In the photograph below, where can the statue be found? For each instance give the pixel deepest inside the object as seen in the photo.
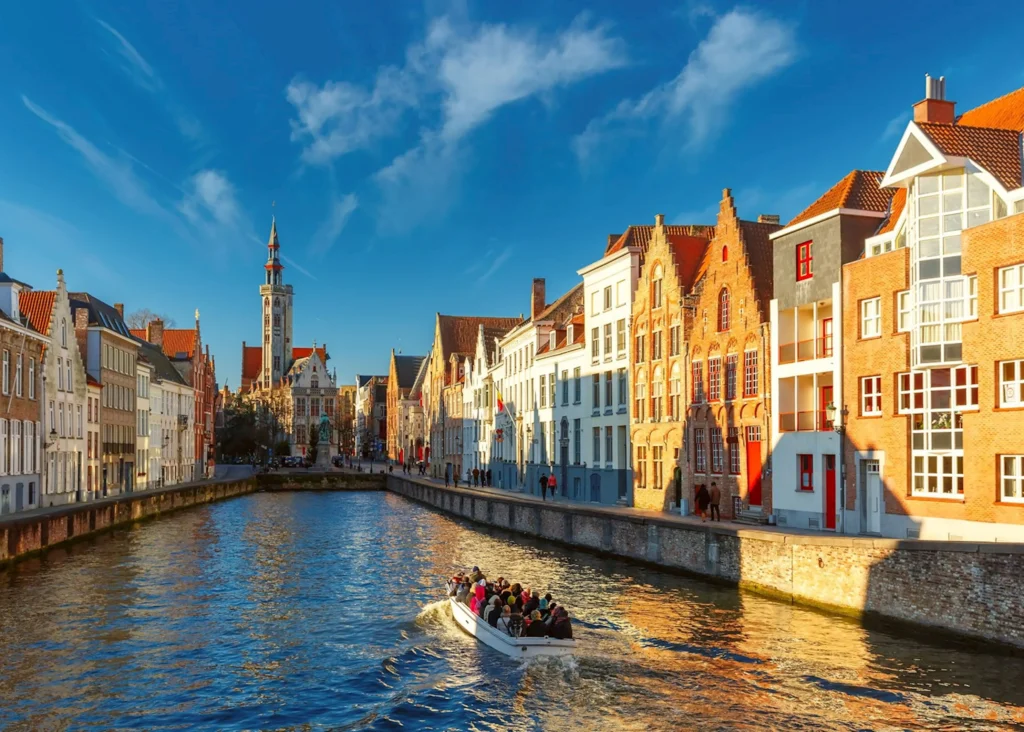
(325, 428)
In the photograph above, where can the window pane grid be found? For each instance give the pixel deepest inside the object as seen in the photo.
(1012, 478)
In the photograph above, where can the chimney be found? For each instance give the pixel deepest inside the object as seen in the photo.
(119, 307)
(1, 254)
(659, 219)
(768, 219)
(934, 107)
(81, 318)
(155, 332)
(537, 302)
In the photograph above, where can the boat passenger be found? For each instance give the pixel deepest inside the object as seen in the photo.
(536, 628)
(472, 605)
(476, 575)
(532, 603)
(504, 621)
(562, 627)
(545, 603)
(463, 593)
(494, 613)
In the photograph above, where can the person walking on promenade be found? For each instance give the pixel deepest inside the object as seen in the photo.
(543, 485)
(488, 476)
(447, 478)
(455, 476)
(716, 498)
(552, 484)
(702, 500)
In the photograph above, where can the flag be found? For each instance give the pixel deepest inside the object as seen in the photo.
(501, 404)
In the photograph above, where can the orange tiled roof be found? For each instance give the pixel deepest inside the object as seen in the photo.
(640, 236)
(252, 362)
(37, 306)
(996, 150)
(857, 190)
(176, 340)
(759, 258)
(459, 332)
(899, 201)
(1004, 113)
(688, 253)
(303, 352)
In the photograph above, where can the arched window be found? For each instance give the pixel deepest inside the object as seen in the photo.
(656, 287)
(725, 252)
(723, 309)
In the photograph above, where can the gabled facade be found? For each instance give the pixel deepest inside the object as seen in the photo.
(661, 313)
(402, 373)
(727, 437)
(313, 394)
(933, 329)
(807, 347)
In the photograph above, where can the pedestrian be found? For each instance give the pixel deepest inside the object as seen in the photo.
(702, 499)
(716, 498)
(476, 476)
(455, 475)
(446, 479)
(543, 485)
(488, 476)
(552, 484)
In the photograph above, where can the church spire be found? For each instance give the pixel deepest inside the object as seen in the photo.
(273, 265)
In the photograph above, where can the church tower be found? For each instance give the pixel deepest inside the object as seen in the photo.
(277, 315)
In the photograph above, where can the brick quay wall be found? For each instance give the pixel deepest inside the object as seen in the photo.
(957, 589)
(27, 534)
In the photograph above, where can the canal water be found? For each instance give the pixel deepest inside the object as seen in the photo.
(321, 611)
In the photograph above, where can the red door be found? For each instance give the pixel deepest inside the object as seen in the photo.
(754, 466)
(825, 347)
(830, 492)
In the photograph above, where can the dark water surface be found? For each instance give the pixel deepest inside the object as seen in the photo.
(320, 611)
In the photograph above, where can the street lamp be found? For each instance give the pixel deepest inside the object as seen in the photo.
(840, 429)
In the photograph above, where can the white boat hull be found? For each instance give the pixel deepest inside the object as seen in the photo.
(499, 641)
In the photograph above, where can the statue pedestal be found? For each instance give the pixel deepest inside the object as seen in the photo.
(323, 457)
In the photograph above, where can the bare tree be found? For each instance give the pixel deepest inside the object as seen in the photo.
(142, 317)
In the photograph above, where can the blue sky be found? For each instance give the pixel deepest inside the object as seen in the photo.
(433, 156)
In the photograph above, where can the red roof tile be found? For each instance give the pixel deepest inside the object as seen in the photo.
(996, 150)
(759, 259)
(1004, 113)
(252, 362)
(688, 254)
(176, 341)
(858, 190)
(92, 381)
(640, 236)
(459, 332)
(37, 306)
(302, 352)
(899, 201)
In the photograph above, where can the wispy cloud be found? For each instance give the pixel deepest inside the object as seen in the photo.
(118, 174)
(329, 231)
(742, 48)
(896, 125)
(145, 76)
(463, 73)
(210, 200)
(295, 265)
(755, 200)
(496, 264)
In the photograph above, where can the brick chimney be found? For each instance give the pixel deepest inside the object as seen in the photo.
(768, 219)
(537, 301)
(81, 318)
(934, 107)
(119, 307)
(155, 332)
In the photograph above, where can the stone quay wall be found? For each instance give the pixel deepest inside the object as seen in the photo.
(25, 534)
(334, 481)
(953, 588)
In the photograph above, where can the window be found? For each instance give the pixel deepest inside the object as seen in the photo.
(657, 395)
(749, 373)
(577, 435)
(972, 297)
(656, 288)
(656, 345)
(657, 477)
(18, 375)
(714, 379)
(1011, 384)
(640, 469)
(623, 388)
(543, 392)
(608, 297)
(723, 309)
(871, 318)
(67, 380)
(595, 344)
(608, 338)
(697, 378)
(620, 336)
(731, 365)
(904, 310)
(640, 350)
(1011, 289)
(871, 395)
(945, 389)
(565, 387)
(597, 445)
(608, 390)
(608, 454)
(734, 450)
(673, 341)
(576, 385)
(805, 466)
(63, 333)
(717, 453)
(700, 457)
(31, 378)
(640, 397)
(595, 302)
(1012, 478)
(596, 405)
(804, 261)
(673, 393)
(7, 373)
(725, 252)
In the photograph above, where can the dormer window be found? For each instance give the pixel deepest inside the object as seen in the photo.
(569, 334)
(552, 339)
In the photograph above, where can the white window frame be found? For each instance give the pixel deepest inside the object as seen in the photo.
(1016, 289)
(905, 312)
(871, 396)
(1014, 480)
(1011, 392)
(871, 319)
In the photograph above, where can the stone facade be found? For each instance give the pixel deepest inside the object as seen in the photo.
(313, 394)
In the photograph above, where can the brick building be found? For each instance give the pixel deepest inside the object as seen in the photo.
(346, 419)
(402, 373)
(727, 439)
(675, 261)
(933, 329)
(807, 346)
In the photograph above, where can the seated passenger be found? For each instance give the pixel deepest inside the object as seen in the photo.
(504, 621)
(472, 605)
(476, 575)
(531, 604)
(536, 628)
(462, 594)
(544, 604)
(561, 628)
(494, 612)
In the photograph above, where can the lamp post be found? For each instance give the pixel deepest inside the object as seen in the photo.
(840, 429)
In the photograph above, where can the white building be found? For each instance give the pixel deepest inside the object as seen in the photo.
(313, 394)
(64, 386)
(169, 419)
(144, 372)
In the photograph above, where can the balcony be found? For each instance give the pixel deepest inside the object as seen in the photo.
(805, 333)
(804, 422)
(806, 350)
(802, 401)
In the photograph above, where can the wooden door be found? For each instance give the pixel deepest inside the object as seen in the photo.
(830, 492)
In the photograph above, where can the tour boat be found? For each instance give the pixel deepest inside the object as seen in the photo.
(500, 641)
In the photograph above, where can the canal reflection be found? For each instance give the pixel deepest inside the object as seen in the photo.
(315, 611)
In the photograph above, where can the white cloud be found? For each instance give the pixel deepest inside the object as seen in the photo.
(210, 200)
(298, 267)
(495, 266)
(119, 175)
(330, 230)
(742, 48)
(896, 125)
(419, 184)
